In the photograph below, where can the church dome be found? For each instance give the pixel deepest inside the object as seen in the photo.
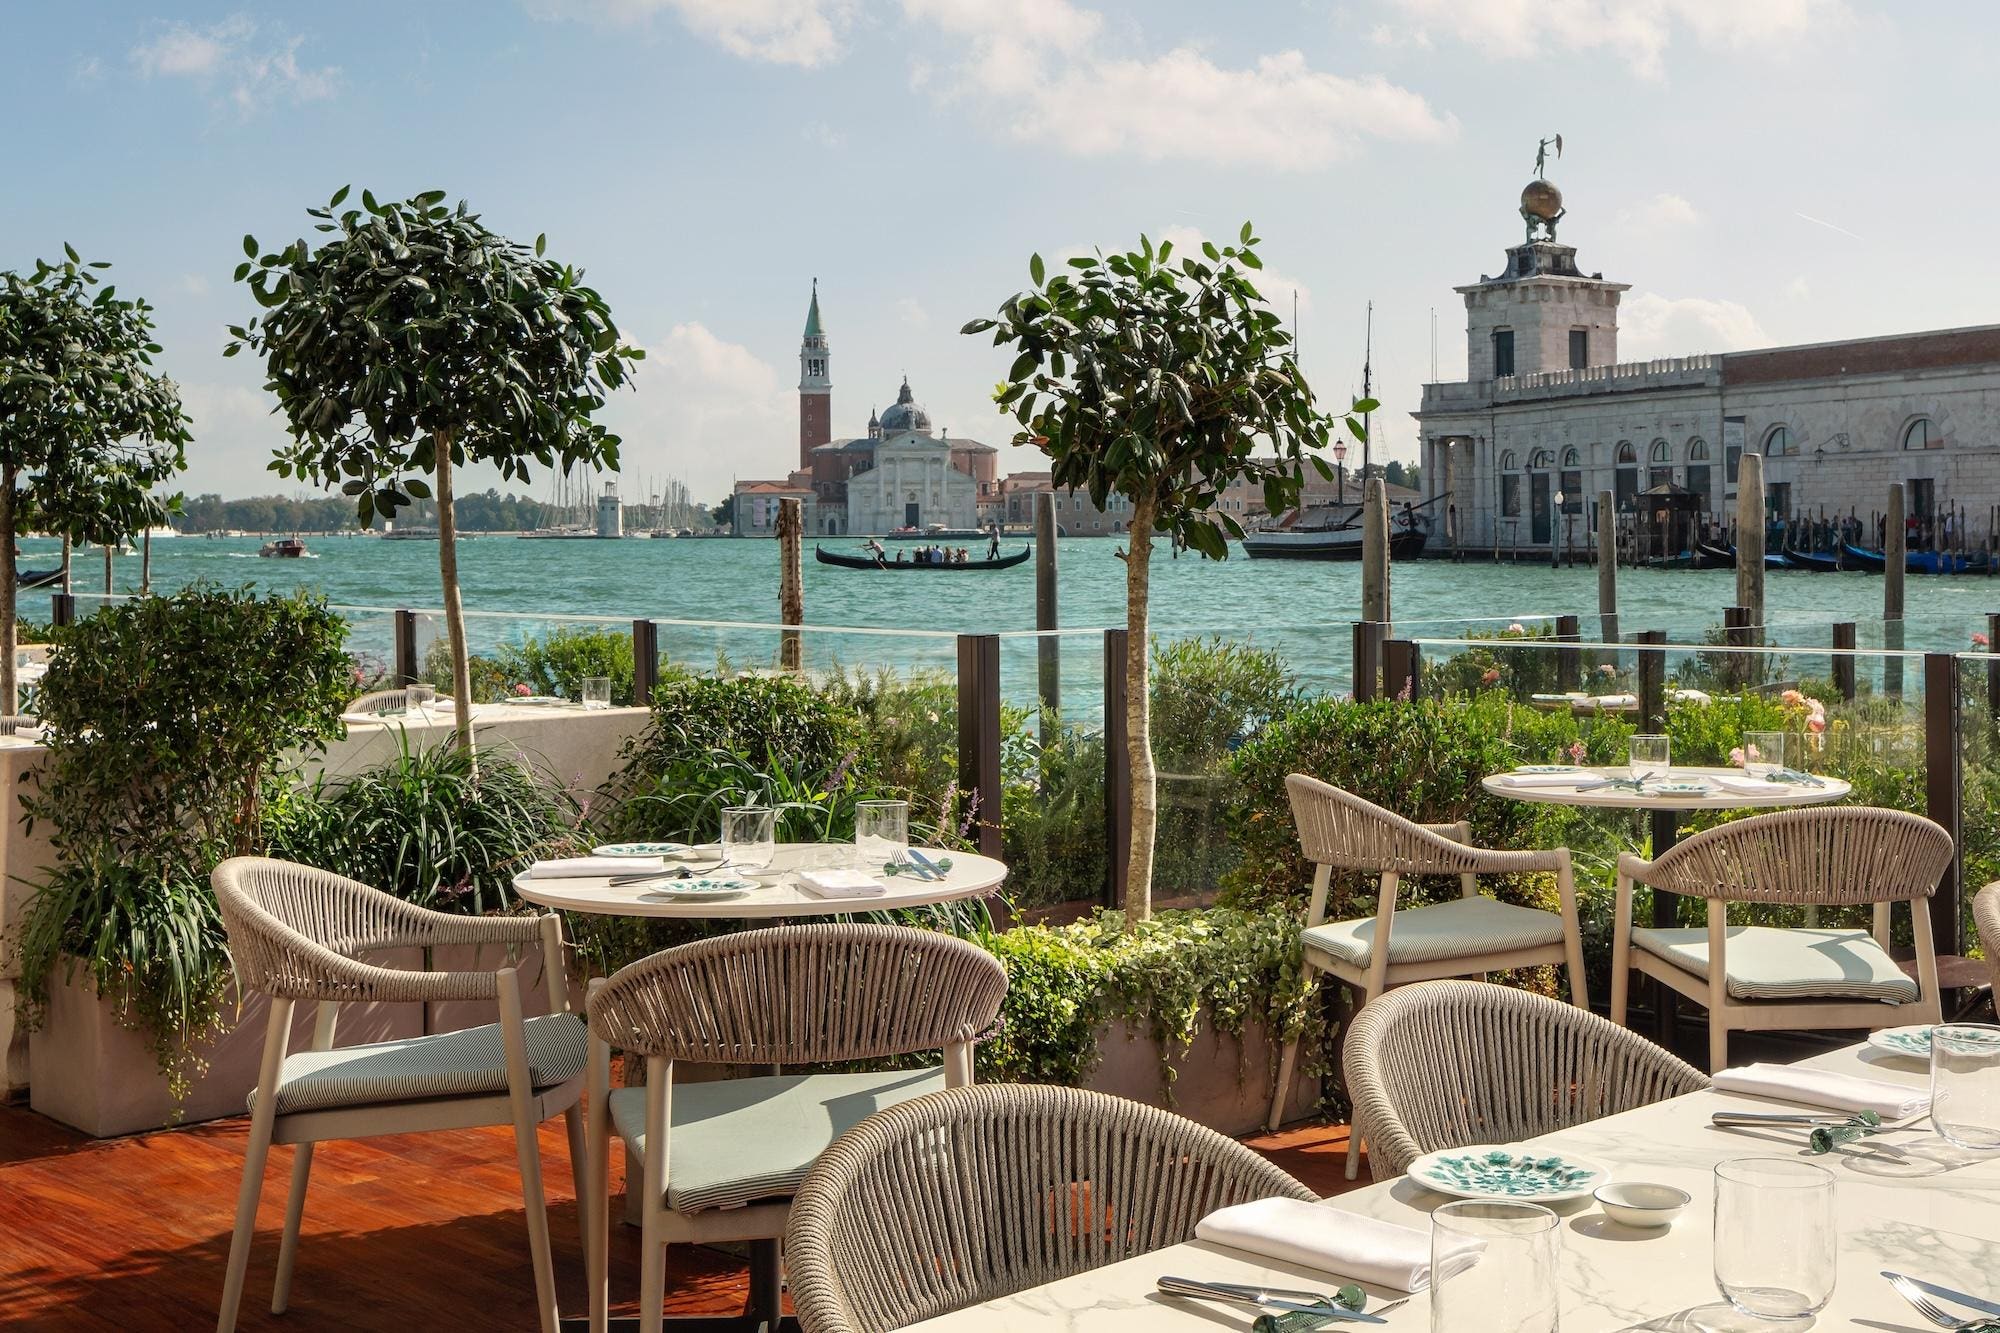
(905, 414)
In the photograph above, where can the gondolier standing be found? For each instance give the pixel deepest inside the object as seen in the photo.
(993, 542)
(875, 548)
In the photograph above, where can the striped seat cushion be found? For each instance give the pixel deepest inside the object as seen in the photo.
(1771, 963)
(445, 1064)
(736, 1141)
(1461, 928)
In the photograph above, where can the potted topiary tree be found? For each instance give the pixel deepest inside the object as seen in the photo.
(86, 426)
(414, 341)
(1160, 382)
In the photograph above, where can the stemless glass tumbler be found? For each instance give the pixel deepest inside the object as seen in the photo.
(1512, 1286)
(881, 833)
(1776, 1245)
(749, 837)
(1965, 1085)
(1650, 756)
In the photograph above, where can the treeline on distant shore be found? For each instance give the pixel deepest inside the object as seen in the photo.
(485, 511)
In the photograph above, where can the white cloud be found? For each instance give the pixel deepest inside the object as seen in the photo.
(194, 284)
(1039, 65)
(911, 311)
(706, 410)
(1651, 325)
(238, 61)
(1639, 32)
(781, 32)
(1661, 213)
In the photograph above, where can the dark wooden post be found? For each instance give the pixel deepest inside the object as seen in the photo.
(404, 672)
(645, 661)
(1117, 770)
(1569, 661)
(1736, 633)
(62, 609)
(1943, 753)
(1369, 636)
(1843, 663)
(1895, 564)
(791, 583)
(1048, 648)
(979, 734)
(1402, 669)
(1993, 672)
(1665, 823)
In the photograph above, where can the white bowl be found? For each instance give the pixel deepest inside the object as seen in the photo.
(1635, 1203)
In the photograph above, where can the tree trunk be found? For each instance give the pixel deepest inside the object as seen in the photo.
(1139, 712)
(108, 549)
(66, 555)
(454, 615)
(146, 562)
(9, 591)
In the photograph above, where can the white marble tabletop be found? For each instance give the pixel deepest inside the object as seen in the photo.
(1717, 797)
(1931, 1210)
(778, 893)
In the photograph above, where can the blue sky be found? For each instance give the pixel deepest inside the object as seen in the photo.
(1762, 172)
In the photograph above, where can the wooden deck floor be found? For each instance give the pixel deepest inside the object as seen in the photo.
(404, 1233)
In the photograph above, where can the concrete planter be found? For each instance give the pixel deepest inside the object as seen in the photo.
(90, 1072)
(1222, 1081)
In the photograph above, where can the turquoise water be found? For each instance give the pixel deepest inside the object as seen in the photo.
(1300, 607)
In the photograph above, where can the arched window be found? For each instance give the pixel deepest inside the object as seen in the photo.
(1662, 452)
(1921, 434)
(1541, 458)
(1626, 478)
(1697, 451)
(1507, 461)
(1699, 477)
(1571, 458)
(1626, 453)
(1778, 442)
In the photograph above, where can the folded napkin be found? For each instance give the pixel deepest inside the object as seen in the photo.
(841, 884)
(1328, 1240)
(1551, 779)
(1819, 1087)
(1744, 783)
(600, 867)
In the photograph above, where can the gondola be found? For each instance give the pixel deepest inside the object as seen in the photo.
(1863, 559)
(876, 562)
(1819, 562)
(1714, 555)
(1937, 562)
(38, 578)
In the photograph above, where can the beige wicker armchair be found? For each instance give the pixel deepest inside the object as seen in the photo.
(1756, 978)
(720, 1161)
(13, 724)
(1467, 937)
(1446, 1064)
(1986, 916)
(383, 703)
(969, 1195)
(293, 933)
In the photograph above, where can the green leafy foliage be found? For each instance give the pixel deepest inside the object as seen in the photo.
(558, 661)
(167, 720)
(1210, 695)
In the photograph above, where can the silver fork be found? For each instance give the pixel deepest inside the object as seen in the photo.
(1936, 1313)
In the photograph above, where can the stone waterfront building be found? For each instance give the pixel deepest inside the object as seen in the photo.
(1547, 408)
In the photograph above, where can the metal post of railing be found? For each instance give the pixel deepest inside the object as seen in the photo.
(1402, 669)
(1117, 770)
(1843, 663)
(62, 609)
(405, 657)
(645, 661)
(1665, 823)
(1993, 672)
(1569, 661)
(1943, 772)
(1736, 633)
(1369, 635)
(979, 734)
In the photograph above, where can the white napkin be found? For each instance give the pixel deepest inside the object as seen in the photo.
(1820, 1087)
(600, 867)
(1551, 779)
(1744, 783)
(1328, 1240)
(835, 883)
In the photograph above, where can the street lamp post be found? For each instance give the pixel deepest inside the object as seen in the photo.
(1340, 467)
(1557, 537)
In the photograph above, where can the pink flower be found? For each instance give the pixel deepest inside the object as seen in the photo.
(1576, 752)
(1816, 723)
(1607, 669)
(1492, 677)
(523, 690)
(1792, 697)
(1516, 628)
(1736, 756)
(1979, 640)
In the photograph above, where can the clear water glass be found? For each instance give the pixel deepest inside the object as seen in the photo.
(1511, 1287)
(1965, 1085)
(749, 837)
(881, 833)
(1776, 1242)
(1650, 757)
(421, 697)
(597, 691)
(1763, 753)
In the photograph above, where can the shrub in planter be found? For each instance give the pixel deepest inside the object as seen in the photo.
(168, 720)
(557, 662)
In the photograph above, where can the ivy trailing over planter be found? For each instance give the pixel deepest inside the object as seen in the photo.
(168, 721)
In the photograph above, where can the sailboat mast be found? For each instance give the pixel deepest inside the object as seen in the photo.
(1367, 391)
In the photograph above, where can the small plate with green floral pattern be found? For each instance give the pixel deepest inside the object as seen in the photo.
(641, 849)
(1492, 1171)
(1915, 1042)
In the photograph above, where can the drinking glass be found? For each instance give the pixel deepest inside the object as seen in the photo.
(881, 833)
(1650, 756)
(1965, 1085)
(1763, 753)
(420, 697)
(1511, 1286)
(749, 837)
(1776, 1247)
(597, 691)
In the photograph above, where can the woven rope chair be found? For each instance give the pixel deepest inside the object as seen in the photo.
(383, 703)
(293, 933)
(1447, 1064)
(720, 1161)
(969, 1195)
(1468, 937)
(13, 724)
(1757, 978)
(1986, 917)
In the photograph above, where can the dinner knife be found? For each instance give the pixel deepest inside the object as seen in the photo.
(930, 867)
(1257, 1296)
(1958, 1297)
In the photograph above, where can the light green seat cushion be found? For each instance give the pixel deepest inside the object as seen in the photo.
(1461, 928)
(444, 1064)
(739, 1140)
(1772, 963)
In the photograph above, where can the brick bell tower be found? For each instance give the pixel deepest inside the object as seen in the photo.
(815, 386)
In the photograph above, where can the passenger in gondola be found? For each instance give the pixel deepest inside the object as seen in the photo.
(899, 556)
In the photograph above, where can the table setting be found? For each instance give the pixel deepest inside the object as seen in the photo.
(1651, 781)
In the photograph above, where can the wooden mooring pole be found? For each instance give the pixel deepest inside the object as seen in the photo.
(1048, 648)
(791, 582)
(1895, 568)
(1750, 538)
(1607, 565)
(1375, 553)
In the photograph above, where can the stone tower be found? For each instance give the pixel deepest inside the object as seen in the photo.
(815, 386)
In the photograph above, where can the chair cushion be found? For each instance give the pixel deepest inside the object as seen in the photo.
(1772, 963)
(445, 1064)
(1461, 928)
(735, 1141)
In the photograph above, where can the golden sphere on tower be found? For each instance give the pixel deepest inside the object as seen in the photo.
(1541, 199)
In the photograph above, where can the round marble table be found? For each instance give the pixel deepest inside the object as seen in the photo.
(1728, 789)
(778, 893)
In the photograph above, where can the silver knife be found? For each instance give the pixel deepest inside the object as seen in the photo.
(1235, 1295)
(1959, 1297)
(929, 866)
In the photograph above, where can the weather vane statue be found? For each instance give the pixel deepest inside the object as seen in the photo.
(1542, 202)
